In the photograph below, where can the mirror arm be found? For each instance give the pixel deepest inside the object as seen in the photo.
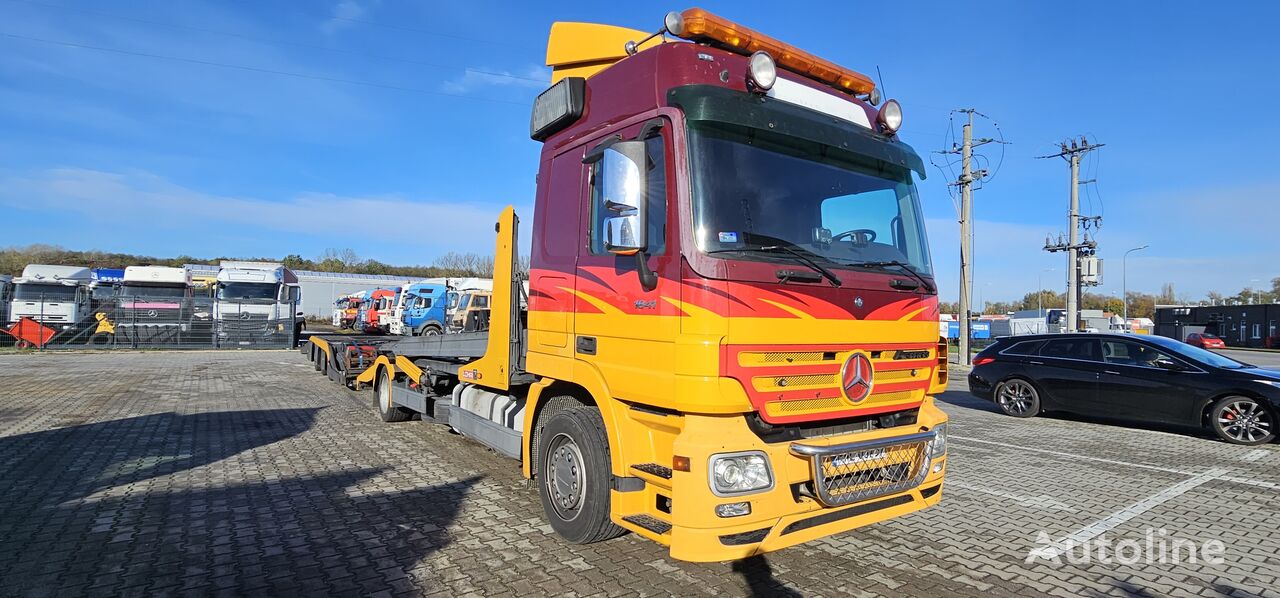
(648, 279)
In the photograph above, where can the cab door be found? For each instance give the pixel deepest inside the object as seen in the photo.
(625, 331)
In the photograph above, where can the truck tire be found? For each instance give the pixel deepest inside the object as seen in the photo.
(574, 475)
(389, 411)
(430, 330)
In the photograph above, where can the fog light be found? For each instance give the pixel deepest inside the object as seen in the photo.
(738, 473)
(762, 72)
(733, 509)
(937, 467)
(939, 444)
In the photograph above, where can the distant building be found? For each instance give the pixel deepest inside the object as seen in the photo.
(1239, 325)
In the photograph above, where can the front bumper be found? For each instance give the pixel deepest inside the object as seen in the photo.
(791, 511)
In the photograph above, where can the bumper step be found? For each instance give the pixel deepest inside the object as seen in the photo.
(654, 469)
(648, 522)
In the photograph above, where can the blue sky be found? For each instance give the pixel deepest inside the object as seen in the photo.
(117, 151)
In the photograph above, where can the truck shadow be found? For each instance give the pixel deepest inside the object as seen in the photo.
(124, 507)
(758, 574)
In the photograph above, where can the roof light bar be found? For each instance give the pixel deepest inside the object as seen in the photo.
(696, 24)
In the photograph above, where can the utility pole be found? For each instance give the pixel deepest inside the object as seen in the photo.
(1073, 246)
(965, 182)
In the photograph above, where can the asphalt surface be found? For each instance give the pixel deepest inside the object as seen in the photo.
(248, 473)
(1265, 359)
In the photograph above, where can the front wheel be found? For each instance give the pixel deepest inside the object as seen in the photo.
(1242, 420)
(1018, 398)
(574, 472)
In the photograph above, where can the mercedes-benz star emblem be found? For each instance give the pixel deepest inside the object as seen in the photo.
(244, 315)
(857, 301)
(151, 313)
(856, 377)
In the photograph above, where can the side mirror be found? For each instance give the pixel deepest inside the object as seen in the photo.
(620, 178)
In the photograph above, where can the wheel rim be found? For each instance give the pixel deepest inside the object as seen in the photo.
(1016, 397)
(1244, 420)
(384, 394)
(565, 477)
(432, 332)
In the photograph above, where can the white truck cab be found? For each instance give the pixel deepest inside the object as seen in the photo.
(256, 303)
(56, 296)
(154, 296)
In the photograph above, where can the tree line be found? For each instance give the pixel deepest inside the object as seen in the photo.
(1141, 305)
(452, 264)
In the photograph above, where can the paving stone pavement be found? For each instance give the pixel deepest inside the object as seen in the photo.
(234, 473)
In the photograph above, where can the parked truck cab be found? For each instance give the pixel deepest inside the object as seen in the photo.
(153, 302)
(345, 310)
(56, 296)
(256, 303)
(420, 310)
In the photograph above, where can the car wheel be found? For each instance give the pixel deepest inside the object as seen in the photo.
(1242, 420)
(1018, 398)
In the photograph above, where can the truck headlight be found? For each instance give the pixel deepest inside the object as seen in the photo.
(939, 445)
(739, 473)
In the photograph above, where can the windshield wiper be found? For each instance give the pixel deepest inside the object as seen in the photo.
(901, 266)
(792, 252)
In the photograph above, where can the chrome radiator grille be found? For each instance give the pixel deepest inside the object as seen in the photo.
(855, 472)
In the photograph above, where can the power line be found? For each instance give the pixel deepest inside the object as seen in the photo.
(271, 42)
(255, 69)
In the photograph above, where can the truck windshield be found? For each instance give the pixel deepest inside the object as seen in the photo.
(753, 189)
(29, 291)
(149, 291)
(234, 291)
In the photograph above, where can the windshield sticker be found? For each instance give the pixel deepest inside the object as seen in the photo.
(728, 237)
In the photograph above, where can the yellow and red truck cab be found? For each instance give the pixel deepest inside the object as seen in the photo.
(732, 327)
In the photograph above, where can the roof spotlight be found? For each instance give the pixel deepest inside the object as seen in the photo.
(890, 117)
(762, 72)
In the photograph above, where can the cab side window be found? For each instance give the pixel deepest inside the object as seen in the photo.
(655, 200)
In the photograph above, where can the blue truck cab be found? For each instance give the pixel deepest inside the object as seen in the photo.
(421, 310)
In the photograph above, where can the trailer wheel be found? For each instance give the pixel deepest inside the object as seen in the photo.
(389, 411)
(575, 477)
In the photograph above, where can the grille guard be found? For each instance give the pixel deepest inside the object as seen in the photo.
(876, 467)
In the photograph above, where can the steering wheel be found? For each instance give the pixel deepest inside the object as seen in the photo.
(859, 236)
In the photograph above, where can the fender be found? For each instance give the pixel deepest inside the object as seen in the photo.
(371, 373)
(587, 377)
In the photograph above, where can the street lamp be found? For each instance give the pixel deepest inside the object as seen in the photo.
(1124, 280)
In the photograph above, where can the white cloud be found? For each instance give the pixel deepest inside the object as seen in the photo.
(534, 77)
(158, 216)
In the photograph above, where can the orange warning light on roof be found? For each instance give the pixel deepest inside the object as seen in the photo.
(696, 24)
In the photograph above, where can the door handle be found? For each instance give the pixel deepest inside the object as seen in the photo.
(586, 345)
(1036, 362)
